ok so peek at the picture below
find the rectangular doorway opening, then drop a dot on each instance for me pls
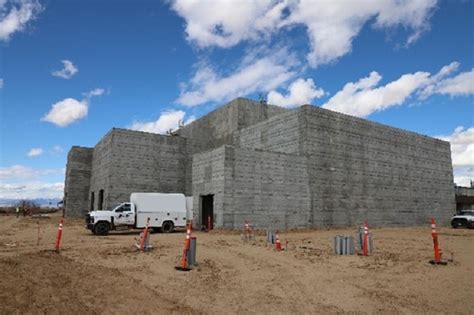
(101, 200)
(92, 201)
(207, 211)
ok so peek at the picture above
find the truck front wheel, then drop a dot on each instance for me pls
(168, 227)
(101, 228)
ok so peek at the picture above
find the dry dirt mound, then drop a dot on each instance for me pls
(47, 282)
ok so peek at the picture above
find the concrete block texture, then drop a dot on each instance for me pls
(77, 181)
(268, 189)
(127, 161)
(218, 127)
(359, 169)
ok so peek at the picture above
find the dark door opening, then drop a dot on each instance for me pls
(207, 211)
(101, 200)
(92, 201)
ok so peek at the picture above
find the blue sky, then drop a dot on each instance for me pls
(70, 70)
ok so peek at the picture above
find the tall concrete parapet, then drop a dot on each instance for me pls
(77, 182)
(218, 127)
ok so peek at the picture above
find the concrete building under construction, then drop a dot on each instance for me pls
(306, 167)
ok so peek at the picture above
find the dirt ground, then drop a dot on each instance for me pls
(95, 274)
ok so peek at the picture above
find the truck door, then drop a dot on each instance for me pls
(124, 215)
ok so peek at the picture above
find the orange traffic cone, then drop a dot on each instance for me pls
(437, 250)
(145, 235)
(277, 242)
(59, 235)
(366, 240)
(184, 258)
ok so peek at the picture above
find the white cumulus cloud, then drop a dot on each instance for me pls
(254, 74)
(462, 146)
(68, 70)
(226, 23)
(435, 80)
(15, 15)
(67, 111)
(35, 152)
(21, 172)
(462, 84)
(32, 190)
(462, 154)
(464, 176)
(300, 92)
(331, 25)
(168, 120)
(365, 97)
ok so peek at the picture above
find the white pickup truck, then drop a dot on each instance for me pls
(465, 218)
(165, 211)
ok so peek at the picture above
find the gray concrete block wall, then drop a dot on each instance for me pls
(269, 189)
(358, 169)
(266, 188)
(145, 162)
(217, 128)
(363, 170)
(281, 133)
(77, 181)
(209, 173)
(102, 161)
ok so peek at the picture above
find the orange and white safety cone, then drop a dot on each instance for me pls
(437, 250)
(187, 242)
(365, 249)
(277, 242)
(59, 235)
(144, 236)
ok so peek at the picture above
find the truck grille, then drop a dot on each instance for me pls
(88, 218)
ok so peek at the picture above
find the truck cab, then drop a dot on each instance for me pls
(100, 222)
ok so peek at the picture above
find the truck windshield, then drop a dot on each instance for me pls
(123, 208)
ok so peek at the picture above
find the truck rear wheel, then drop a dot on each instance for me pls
(455, 223)
(168, 227)
(101, 228)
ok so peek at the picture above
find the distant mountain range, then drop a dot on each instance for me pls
(42, 202)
